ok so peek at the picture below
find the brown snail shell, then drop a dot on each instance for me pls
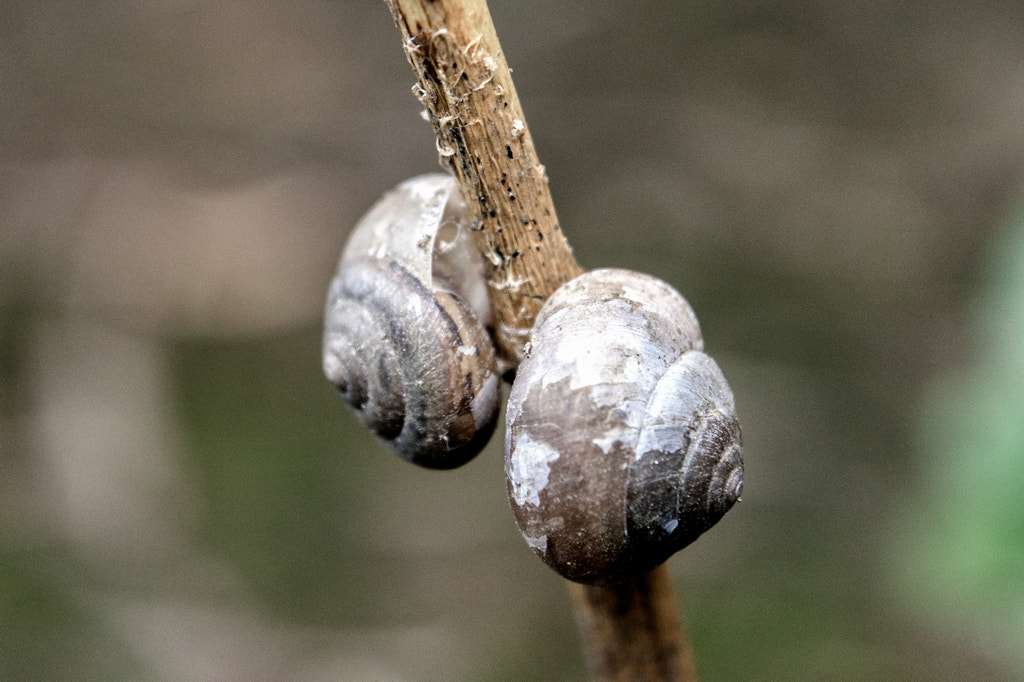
(405, 337)
(622, 443)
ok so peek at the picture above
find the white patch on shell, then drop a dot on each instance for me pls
(334, 369)
(415, 305)
(530, 466)
(613, 436)
(625, 428)
(585, 353)
(485, 402)
(537, 544)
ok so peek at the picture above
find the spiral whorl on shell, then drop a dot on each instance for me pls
(622, 443)
(405, 340)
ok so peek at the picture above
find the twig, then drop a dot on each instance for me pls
(465, 87)
(631, 631)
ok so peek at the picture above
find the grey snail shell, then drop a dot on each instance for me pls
(622, 443)
(405, 337)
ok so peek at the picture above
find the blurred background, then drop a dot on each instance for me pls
(835, 186)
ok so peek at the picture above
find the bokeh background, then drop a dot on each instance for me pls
(836, 186)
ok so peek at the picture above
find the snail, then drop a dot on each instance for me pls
(405, 326)
(622, 444)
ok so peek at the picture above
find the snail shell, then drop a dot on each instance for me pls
(405, 337)
(622, 442)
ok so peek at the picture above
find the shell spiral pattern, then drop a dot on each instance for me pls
(405, 338)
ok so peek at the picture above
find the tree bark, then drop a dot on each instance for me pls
(466, 90)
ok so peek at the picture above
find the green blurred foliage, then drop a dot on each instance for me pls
(277, 503)
(45, 631)
(960, 555)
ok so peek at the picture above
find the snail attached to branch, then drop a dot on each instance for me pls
(622, 444)
(405, 331)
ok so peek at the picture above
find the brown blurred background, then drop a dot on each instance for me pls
(182, 497)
